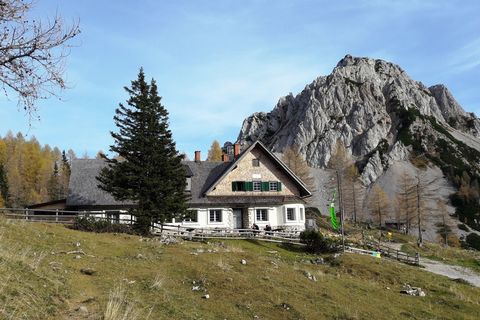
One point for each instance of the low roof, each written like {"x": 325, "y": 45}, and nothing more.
{"x": 83, "y": 187}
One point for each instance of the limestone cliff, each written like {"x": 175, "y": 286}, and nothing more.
{"x": 372, "y": 106}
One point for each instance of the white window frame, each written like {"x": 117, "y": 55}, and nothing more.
{"x": 294, "y": 214}
{"x": 266, "y": 214}
{"x": 188, "y": 186}
{"x": 258, "y": 184}
{"x": 216, "y": 214}
{"x": 190, "y": 220}
{"x": 273, "y": 186}
{"x": 302, "y": 214}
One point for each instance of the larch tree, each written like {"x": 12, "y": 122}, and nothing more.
{"x": 379, "y": 204}
{"x": 148, "y": 170}
{"x": 340, "y": 161}
{"x": 32, "y": 53}
{"x": 406, "y": 200}
{"x": 29, "y": 172}
{"x": 294, "y": 160}
{"x": 353, "y": 192}
{"x": 71, "y": 155}
{"x": 444, "y": 226}
{"x": 215, "y": 152}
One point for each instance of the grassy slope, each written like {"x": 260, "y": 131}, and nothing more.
{"x": 39, "y": 280}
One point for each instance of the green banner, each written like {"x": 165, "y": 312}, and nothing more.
{"x": 333, "y": 217}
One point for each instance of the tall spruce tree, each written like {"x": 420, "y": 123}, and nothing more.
{"x": 148, "y": 168}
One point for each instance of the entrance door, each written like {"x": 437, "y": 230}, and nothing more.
{"x": 237, "y": 219}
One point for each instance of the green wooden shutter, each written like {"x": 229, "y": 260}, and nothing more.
{"x": 249, "y": 186}
{"x": 265, "y": 186}
{"x": 234, "y": 186}
{"x": 279, "y": 186}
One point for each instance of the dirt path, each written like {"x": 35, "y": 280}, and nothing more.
{"x": 448, "y": 270}
{"x": 451, "y": 271}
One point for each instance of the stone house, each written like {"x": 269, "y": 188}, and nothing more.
{"x": 253, "y": 187}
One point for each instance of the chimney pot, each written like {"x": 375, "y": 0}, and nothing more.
{"x": 197, "y": 156}
{"x": 236, "y": 150}
{"x": 224, "y": 157}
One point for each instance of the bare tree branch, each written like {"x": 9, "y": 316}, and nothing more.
{"x": 32, "y": 55}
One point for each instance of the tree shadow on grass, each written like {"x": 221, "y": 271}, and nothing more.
{"x": 292, "y": 247}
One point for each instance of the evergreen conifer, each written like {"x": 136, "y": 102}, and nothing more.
{"x": 148, "y": 168}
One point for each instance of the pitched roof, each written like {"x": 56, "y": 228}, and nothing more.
{"x": 204, "y": 174}
{"x": 304, "y": 192}
{"x": 84, "y": 192}
{"x": 83, "y": 186}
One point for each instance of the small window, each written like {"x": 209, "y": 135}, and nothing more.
{"x": 215, "y": 215}
{"x": 301, "y": 214}
{"x": 290, "y": 214}
{"x": 257, "y": 186}
{"x": 191, "y": 216}
{"x": 273, "y": 186}
{"x": 256, "y": 163}
{"x": 262, "y": 214}
{"x": 239, "y": 186}
{"x": 188, "y": 187}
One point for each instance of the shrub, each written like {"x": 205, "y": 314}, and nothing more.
{"x": 91, "y": 224}
{"x": 473, "y": 241}
{"x": 316, "y": 243}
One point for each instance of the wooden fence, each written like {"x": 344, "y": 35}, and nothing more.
{"x": 224, "y": 233}
{"x": 68, "y": 217}
{"x": 293, "y": 237}
{"x": 395, "y": 254}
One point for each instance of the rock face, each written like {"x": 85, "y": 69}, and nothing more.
{"x": 378, "y": 112}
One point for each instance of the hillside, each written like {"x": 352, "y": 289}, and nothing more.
{"x": 42, "y": 277}
{"x": 384, "y": 118}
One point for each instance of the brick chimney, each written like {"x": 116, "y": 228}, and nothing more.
{"x": 197, "y": 156}
{"x": 236, "y": 150}
{"x": 225, "y": 157}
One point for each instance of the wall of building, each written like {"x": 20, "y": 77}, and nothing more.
{"x": 277, "y": 218}
{"x": 245, "y": 171}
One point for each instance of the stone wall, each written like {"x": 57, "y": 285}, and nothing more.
{"x": 245, "y": 171}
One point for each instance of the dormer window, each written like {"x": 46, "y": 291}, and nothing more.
{"x": 188, "y": 187}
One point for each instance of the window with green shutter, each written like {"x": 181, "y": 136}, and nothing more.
{"x": 248, "y": 186}
{"x": 279, "y": 186}
{"x": 238, "y": 186}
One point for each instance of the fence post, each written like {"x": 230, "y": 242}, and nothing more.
{"x": 56, "y": 215}
{"x": 26, "y": 214}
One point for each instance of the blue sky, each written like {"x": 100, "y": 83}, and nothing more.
{"x": 217, "y": 62}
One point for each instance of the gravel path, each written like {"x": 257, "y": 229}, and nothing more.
{"x": 448, "y": 270}
{"x": 451, "y": 271}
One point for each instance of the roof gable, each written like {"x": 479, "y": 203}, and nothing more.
{"x": 258, "y": 146}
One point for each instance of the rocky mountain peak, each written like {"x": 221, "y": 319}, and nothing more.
{"x": 371, "y": 105}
